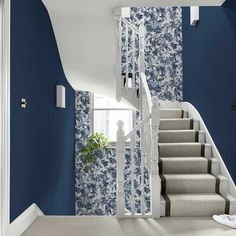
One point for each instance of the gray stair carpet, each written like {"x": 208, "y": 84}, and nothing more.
{"x": 188, "y": 186}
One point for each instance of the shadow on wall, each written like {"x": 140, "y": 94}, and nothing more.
{"x": 231, "y": 4}
{"x": 210, "y": 74}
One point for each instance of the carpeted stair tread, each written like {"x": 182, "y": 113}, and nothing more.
{"x": 184, "y": 150}
{"x": 202, "y": 204}
{"x": 176, "y": 124}
{"x": 189, "y": 183}
{"x": 171, "y": 113}
{"x": 179, "y": 136}
{"x": 184, "y": 165}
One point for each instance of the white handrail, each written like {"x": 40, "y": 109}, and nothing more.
{"x": 137, "y": 127}
{"x": 130, "y": 25}
{"x": 147, "y": 91}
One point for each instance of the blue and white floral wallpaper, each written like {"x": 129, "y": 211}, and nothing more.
{"x": 164, "y": 61}
{"x": 96, "y": 190}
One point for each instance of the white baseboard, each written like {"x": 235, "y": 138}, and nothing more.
{"x": 22, "y": 222}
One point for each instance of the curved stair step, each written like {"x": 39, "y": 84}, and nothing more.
{"x": 179, "y": 124}
{"x": 194, "y": 205}
{"x": 172, "y": 113}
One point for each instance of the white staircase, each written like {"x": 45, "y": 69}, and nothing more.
{"x": 192, "y": 183}
{"x": 187, "y": 175}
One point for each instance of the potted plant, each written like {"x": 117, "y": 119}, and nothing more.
{"x": 95, "y": 143}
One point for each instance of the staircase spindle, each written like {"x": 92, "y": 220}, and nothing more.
{"x": 149, "y": 110}
{"x": 120, "y": 159}
{"x": 132, "y": 147}
{"x": 127, "y": 54}
{"x": 133, "y": 57}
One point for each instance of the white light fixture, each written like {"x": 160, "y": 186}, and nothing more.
{"x": 194, "y": 15}
{"x": 61, "y": 96}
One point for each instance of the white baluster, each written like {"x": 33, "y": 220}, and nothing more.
{"x": 142, "y": 34}
{"x": 127, "y": 55}
{"x": 132, "y": 147}
{"x": 133, "y": 56}
{"x": 155, "y": 178}
{"x": 143, "y": 157}
{"x": 120, "y": 162}
{"x": 149, "y": 130}
{"x": 119, "y": 82}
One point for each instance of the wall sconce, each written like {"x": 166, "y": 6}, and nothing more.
{"x": 61, "y": 97}
{"x": 194, "y": 15}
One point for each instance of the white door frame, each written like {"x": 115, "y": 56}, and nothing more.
{"x": 4, "y": 117}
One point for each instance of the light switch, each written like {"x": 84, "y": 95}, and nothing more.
{"x": 23, "y": 103}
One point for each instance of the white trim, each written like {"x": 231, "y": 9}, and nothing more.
{"x": 4, "y": 117}
{"x": 22, "y": 223}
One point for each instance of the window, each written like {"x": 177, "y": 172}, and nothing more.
{"x": 106, "y": 113}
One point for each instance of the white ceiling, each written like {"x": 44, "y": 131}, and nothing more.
{"x": 85, "y": 34}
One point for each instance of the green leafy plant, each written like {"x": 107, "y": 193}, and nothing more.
{"x": 95, "y": 142}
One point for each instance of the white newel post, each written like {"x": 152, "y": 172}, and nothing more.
{"x": 142, "y": 33}
{"x": 120, "y": 162}
{"x": 155, "y": 177}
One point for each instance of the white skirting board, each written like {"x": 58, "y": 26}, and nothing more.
{"x": 22, "y": 223}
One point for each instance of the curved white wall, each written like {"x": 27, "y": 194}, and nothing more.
{"x": 85, "y": 34}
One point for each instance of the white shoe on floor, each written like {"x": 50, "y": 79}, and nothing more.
{"x": 227, "y": 220}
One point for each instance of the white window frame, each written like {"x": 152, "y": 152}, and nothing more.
{"x": 5, "y": 117}
{"x": 92, "y": 109}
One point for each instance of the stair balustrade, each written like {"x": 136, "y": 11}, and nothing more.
{"x": 133, "y": 87}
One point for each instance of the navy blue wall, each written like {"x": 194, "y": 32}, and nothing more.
{"x": 42, "y": 136}
{"x": 210, "y": 74}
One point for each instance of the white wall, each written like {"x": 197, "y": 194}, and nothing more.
{"x": 85, "y": 33}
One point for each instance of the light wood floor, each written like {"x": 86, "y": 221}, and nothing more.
{"x": 110, "y": 226}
